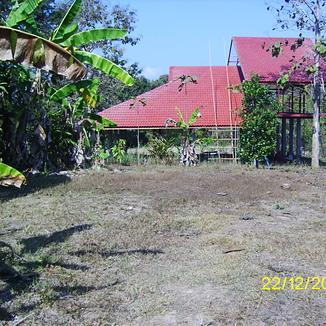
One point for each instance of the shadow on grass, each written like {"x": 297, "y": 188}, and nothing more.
{"x": 34, "y": 183}
{"x": 17, "y": 283}
{"x": 63, "y": 292}
{"x": 107, "y": 254}
{"x": 31, "y": 245}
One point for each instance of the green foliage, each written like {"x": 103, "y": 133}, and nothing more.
{"x": 67, "y": 90}
{"x": 279, "y": 207}
{"x": 63, "y": 140}
{"x": 205, "y": 143}
{"x": 186, "y": 124}
{"x": 67, "y": 19}
{"x": 64, "y": 36}
{"x": 160, "y": 147}
{"x": 320, "y": 47}
{"x": 93, "y": 35}
{"x": 258, "y": 132}
{"x": 188, "y": 154}
{"x": 118, "y": 150}
{"x": 98, "y": 122}
{"x": 21, "y": 12}
{"x": 105, "y": 65}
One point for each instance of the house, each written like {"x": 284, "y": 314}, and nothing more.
{"x": 218, "y": 105}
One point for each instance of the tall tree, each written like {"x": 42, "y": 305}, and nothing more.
{"x": 308, "y": 15}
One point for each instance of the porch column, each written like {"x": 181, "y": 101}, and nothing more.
{"x": 298, "y": 140}
{"x": 283, "y": 148}
{"x": 291, "y": 129}
{"x": 278, "y": 139}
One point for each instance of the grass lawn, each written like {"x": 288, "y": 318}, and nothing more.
{"x": 165, "y": 245}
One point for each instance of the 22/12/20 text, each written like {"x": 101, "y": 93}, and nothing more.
{"x": 294, "y": 283}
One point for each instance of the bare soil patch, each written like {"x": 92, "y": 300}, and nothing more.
{"x": 161, "y": 245}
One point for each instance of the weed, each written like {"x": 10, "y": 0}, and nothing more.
{"x": 279, "y": 207}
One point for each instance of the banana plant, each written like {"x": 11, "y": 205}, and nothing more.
{"x": 188, "y": 154}
{"x": 22, "y": 43}
{"x": 188, "y": 148}
{"x": 91, "y": 124}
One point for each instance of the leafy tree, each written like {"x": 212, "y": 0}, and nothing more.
{"x": 307, "y": 15}
{"x": 258, "y": 128}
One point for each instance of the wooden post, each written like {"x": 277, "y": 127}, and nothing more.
{"x": 291, "y": 129}
{"x": 298, "y": 149}
{"x": 283, "y": 138}
{"x": 278, "y": 139}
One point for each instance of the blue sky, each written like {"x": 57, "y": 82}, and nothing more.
{"x": 194, "y": 32}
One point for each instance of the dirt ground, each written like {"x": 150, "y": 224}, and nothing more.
{"x": 158, "y": 245}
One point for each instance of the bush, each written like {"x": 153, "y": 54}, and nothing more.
{"x": 258, "y": 128}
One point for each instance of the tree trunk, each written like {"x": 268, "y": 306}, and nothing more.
{"x": 188, "y": 153}
{"x": 316, "y": 118}
{"x": 316, "y": 128}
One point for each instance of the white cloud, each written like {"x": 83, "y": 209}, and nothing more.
{"x": 152, "y": 73}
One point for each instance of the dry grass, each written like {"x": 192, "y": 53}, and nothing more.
{"x": 144, "y": 246}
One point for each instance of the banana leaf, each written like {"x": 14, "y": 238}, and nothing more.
{"x": 10, "y": 176}
{"x": 97, "y": 122}
{"x": 65, "y": 91}
{"x": 94, "y": 86}
{"x": 86, "y": 88}
{"x": 102, "y": 120}
{"x": 193, "y": 117}
{"x": 94, "y": 35}
{"x": 69, "y": 31}
{"x": 18, "y": 47}
{"x": 105, "y": 65}
{"x": 87, "y": 97}
{"x": 68, "y": 19}
{"x": 89, "y": 94}
{"x": 39, "y": 52}
{"x": 21, "y": 13}
{"x": 182, "y": 122}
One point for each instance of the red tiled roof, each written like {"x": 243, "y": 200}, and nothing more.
{"x": 253, "y": 58}
{"x": 162, "y": 101}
